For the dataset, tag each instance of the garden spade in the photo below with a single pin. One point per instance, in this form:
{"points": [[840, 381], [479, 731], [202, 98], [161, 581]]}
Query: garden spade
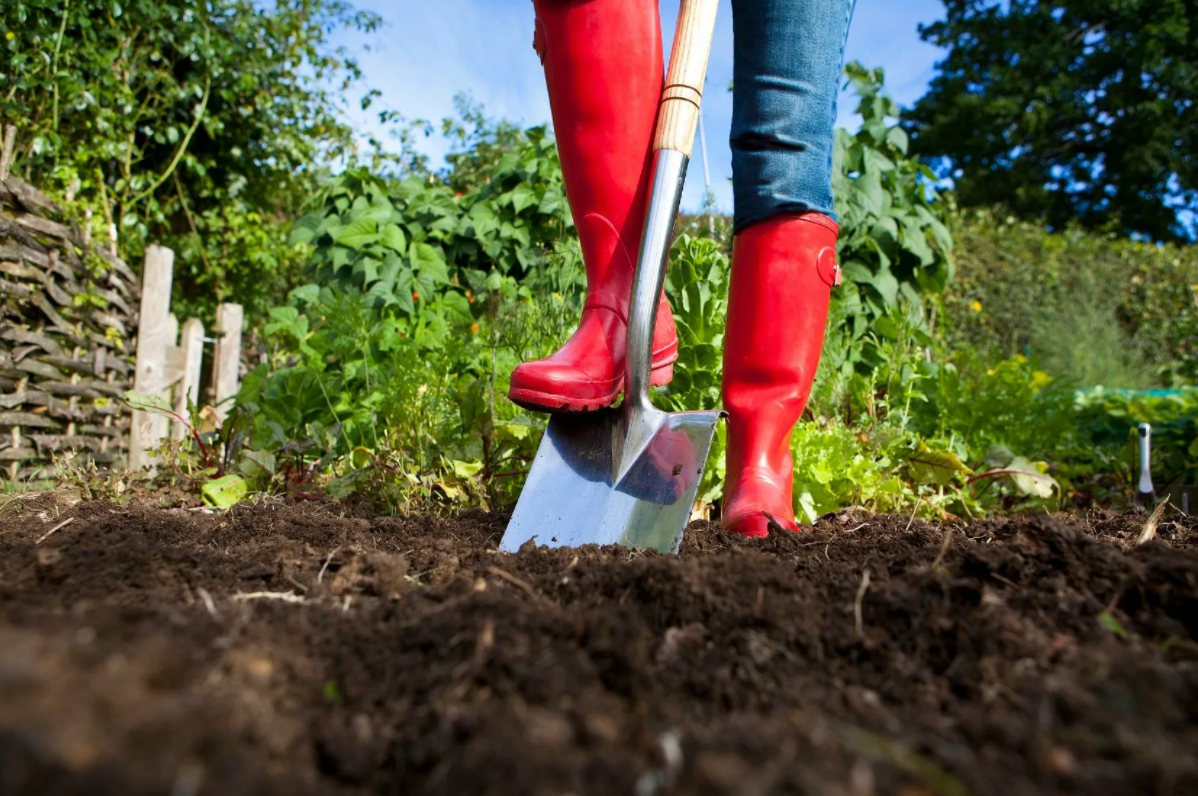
{"points": [[629, 475]]}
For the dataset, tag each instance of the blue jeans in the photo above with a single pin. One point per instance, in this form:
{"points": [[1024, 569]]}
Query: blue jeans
{"points": [[789, 55]]}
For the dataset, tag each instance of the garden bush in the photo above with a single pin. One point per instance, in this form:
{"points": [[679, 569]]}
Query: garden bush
{"points": [[1103, 311]]}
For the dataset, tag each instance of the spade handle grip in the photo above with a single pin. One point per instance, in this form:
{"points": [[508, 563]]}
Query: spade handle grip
{"points": [[678, 115]]}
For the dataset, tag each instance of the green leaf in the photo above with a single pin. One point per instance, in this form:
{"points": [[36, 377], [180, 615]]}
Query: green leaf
{"points": [[305, 228], [456, 306], [305, 294], [522, 196], [148, 403], [1112, 624], [358, 234], [887, 286], [393, 238], [257, 464], [897, 137], [939, 467], [467, 469], [224, 492], [429, 264], [1030, 479]]}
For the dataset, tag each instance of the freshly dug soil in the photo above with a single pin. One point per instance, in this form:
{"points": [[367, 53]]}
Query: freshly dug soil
{"points": [[302, 649]]}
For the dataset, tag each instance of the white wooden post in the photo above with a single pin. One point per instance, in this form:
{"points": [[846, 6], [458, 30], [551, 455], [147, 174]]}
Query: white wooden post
{"points": [[153, 330], [191, 364], [6, 149], [226, 366]]}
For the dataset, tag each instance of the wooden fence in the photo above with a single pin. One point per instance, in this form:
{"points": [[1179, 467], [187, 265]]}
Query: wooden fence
{"points": [[71, 318], [67, 318], [170, 360]]}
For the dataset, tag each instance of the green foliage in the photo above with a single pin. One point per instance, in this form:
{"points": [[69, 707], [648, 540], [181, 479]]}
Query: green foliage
{"points": [[895, 246], [697, 286], [196, 125], [1107, 421], [1100, 311], [389, 372], [420, 247], [1068, 111]]}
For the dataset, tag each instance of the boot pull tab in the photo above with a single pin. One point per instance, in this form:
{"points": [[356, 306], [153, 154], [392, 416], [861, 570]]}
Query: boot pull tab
{"points": [[828, 267]]}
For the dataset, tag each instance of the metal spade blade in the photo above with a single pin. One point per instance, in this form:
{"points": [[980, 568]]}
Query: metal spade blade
{"points": [[629, 475], [575, 494]]}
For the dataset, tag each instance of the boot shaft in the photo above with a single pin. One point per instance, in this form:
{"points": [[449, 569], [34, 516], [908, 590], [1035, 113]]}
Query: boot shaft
{"points": [[783, 271], [604, 70]]}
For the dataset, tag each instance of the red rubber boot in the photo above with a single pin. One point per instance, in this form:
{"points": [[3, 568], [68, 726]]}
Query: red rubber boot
{"points": [[783, 271], [603, 66]]}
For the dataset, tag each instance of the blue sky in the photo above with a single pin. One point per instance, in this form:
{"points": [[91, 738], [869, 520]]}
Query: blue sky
{"points": [[429, 51]]}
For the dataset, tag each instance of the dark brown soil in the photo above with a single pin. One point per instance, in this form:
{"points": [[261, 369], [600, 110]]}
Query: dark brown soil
{"points": [[295, 649]]}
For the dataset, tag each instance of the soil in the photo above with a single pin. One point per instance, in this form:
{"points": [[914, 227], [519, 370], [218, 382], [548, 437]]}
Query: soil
{"points": [[317, 649]]}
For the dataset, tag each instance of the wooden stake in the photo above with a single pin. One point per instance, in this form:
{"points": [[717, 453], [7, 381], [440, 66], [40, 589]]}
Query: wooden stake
{"points": [[226, 368], [6, 150], [153, 328], [191, 347]]}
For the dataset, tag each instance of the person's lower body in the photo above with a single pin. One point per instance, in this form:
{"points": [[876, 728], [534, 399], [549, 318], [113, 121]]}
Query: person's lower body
{"points": [[603, 68], [789, 56]]}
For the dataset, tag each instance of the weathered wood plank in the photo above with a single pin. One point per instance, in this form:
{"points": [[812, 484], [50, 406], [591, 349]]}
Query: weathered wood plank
{"points": [[28, 419], [37, 368], [226, 366], [44, 226], [16, 334], [53, 443], [18, 454], [191, 348], [16, 253], [152, 341], [15, 289], [30, 198], [21, 271], [94, 430]]}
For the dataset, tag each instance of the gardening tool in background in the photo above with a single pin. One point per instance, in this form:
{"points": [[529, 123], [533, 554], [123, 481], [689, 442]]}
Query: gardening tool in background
{"points": [[1145, 493], [629, 475]]}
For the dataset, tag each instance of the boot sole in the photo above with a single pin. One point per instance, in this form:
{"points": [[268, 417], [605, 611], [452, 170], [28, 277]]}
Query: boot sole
{"points": [[536, 401]]}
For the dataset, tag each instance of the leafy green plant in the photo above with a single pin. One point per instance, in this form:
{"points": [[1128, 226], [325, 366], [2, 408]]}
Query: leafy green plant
{"points": [[895, 245], [200, 126], [1102, 311]]}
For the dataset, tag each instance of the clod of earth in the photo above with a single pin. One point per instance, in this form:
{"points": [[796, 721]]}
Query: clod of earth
{"points": [[311, 650]]}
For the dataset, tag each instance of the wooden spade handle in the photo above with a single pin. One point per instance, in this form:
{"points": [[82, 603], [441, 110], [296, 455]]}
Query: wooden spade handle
{"points": [[679, 111]]}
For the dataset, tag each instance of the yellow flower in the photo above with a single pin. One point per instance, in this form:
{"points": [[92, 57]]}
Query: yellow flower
{"points": [[1040, 379], [557, 296], [975, 305], [9, 35]]}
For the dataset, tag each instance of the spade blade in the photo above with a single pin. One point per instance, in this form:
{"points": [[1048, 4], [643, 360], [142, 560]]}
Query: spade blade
{"points": [[574, 496]]}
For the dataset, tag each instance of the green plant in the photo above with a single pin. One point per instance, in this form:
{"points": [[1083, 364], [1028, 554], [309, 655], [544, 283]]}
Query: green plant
{"points": [[895, 245], [1095, 309], [1071, 111], [200, 126]]}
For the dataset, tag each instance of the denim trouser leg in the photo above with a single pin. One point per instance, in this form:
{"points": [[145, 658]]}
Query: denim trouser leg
{"points": [[788, 59]]}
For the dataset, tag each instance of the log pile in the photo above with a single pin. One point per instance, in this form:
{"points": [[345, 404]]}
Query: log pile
{"points": [[68, 316]]}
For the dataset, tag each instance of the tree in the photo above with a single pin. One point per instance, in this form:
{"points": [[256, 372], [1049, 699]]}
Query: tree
{"points": [[199, 125], [1068, 111]]}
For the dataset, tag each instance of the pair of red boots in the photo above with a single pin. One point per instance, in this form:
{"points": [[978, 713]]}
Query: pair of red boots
{"points": [[603, 66]]}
